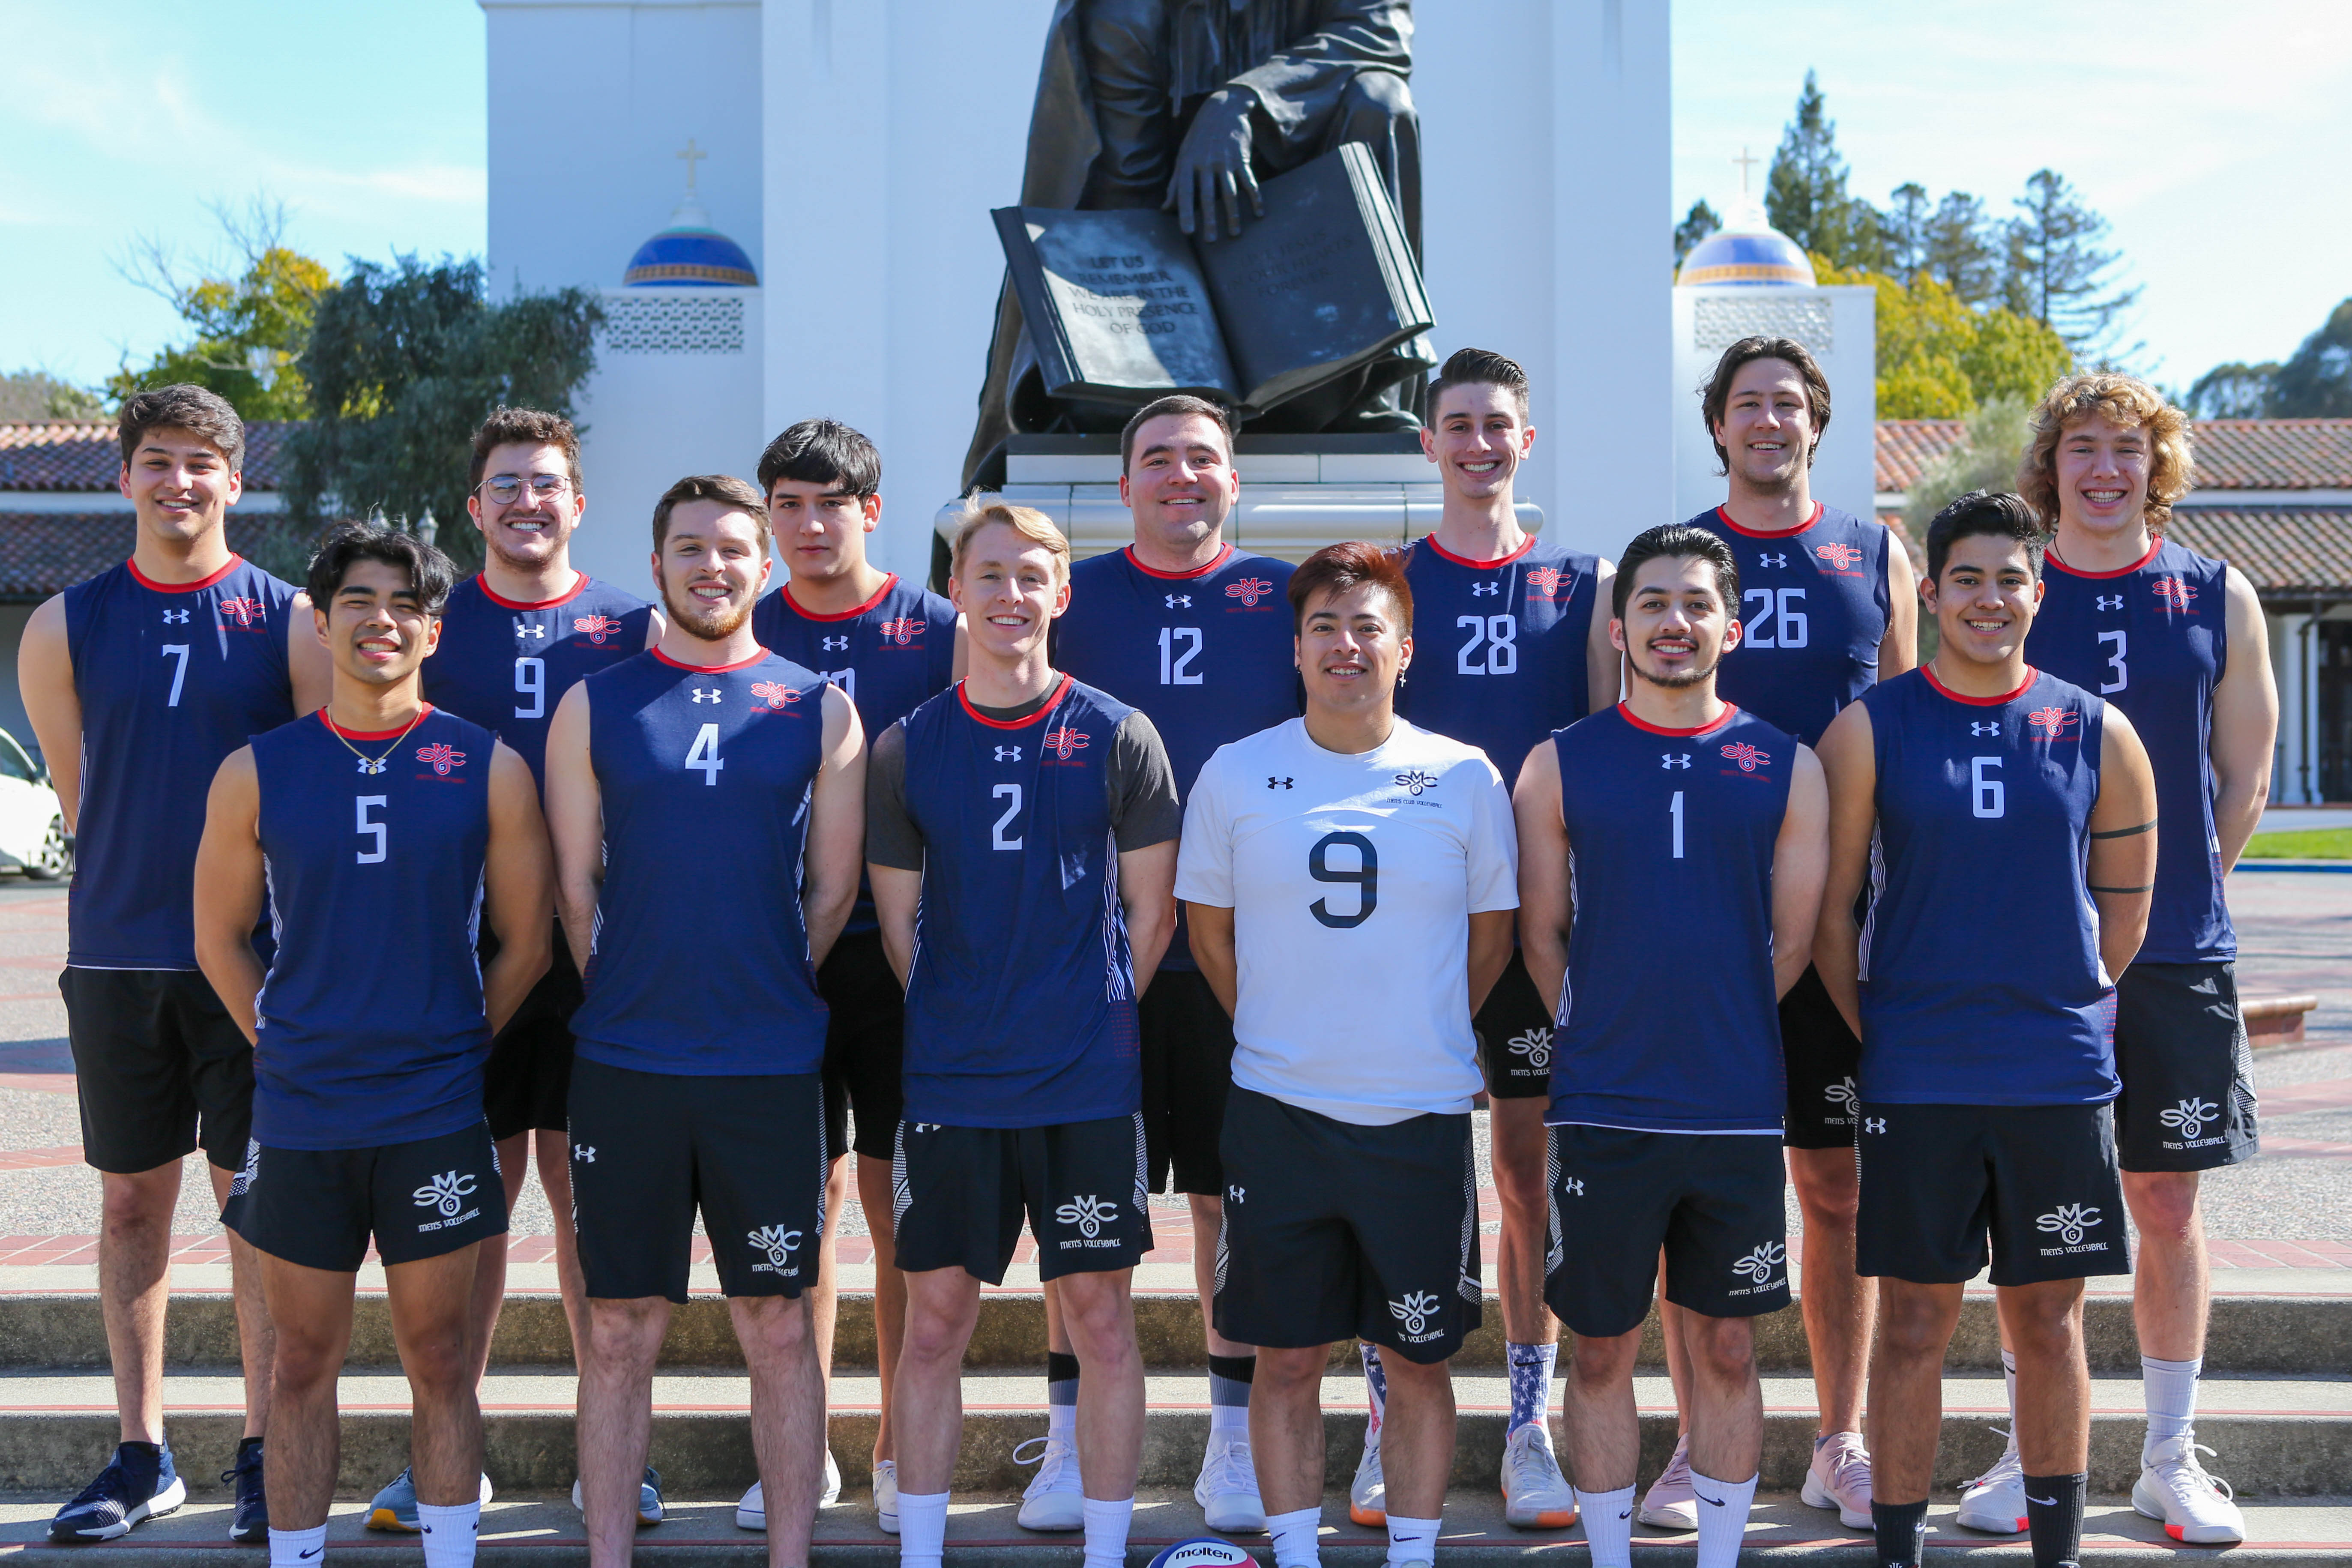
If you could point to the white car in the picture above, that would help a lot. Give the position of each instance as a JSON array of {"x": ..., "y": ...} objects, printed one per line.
[{"x": 32, "y": 826}]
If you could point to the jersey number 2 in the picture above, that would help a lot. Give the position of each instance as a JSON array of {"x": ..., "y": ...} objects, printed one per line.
[{"x": 1010, "y": 794}]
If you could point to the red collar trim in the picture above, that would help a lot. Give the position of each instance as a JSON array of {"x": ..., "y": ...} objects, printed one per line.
[
  {"x": 2051, "y": 555},
  {"x": 1626, "y": 713},
  {"x": 796, "y": 607},
  {"x": 144, "y": 581},
  {"x": 1929, "y": 671},
  {"x": 1446, "y": 554},
  {"x": 1723, "y": 514},
  {"x": 757, "y": 654},
  {"x": 424, "y": 712},
  {"x": 1223, "y": 556},
  {"x": 579, "y": 586},
  {"x": 1051, "y": 703}
]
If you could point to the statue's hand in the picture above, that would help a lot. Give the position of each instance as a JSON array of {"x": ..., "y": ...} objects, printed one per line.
[{"x": 1213, "y": 166}]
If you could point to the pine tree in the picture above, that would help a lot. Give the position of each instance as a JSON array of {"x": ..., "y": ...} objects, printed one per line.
[
  {"x": 2059, "y": 276},
  {"x": 1805, "y": 194},
  {"x": 1904, "y": 226},
  {"x": 2316, "y": 384},
  {"x": 1700, "y": 222},
  {"x": 1962, "y": 250}
]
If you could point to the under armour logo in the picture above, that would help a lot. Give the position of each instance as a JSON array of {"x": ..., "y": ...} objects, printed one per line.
[
  {"x": 1089, "y": 1213},
  {"x": 835, "y": 645},
  {"x": 927, "y": 1126},
  {"x": 1486, "y": 590},
  {"x": 705, "y": 693},
  {"x": 1765, "y": 558},
  {"x": 585, "y": 1152},
  {"x": 2111, "y": 601},
  {"x": 1873, "y": 1124},
  {"x": 1273, "y": 783},
  {"x": 528, "y": 628},
  {"x": 2189, "y": 1117},
  {"x": 175, "y": 617},
  {"x": 1572, "y": 1185},
  {"x": 2069, "y": 1222},
  {"x": 1993, "y": 728},
  {"x": 371, "y": 765},
  {"x": 1234, "y": 1194},
  {"x": 1008, "y": 754},
  {"x": 1179, "y": 601},
  {"x": 1673, "y": 759}
]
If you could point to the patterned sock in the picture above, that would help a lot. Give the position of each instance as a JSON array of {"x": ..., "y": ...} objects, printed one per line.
[
  {"x": 2054, "y": 1516},
  {"x": 1376, "y": 1392},
  {"x": 1902, "y": 1531},
  {"x": 922, "y": 1529},
  {"x": 1061, "y": 1396},
  {"x": 449, "y": 1533},
  {"x": 1411, "y": 1541},
  {"x": 2170, "y": 1389},
  {"x": 1294, "y": 1538},
  {"x": 1722, "y": 1518},
  {"x": 1532, "y": 1373},
  {"x": 297, "y": 1548},
  {"x": 1608, "y": 1526},
  {"x": 1106, "y": 1525},
  {"x": 1229, "y": 1392}
]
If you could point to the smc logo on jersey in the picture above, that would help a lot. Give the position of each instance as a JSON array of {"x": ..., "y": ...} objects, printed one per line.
[
  {"x": 776, "y": 696},
  {"x": 2175, "y": 593},
  {"x": 779, "y": 1245},
  {"x": 1548, "y": 581},
  {"x": 2069, "y": 1223},
  {"x": 1416, "y": 781},
  {"x": 1841, "y": 558},
  {"x": 1413, "y": 1313},
  {"x": 2049, "y": 723},
  {"x": 247, "y": 612},
  {"x": 903, "y": 631},
  {"x": 1249, "y": 591},
  {"x": 600, "y": 629},
  {"x": 441, "y": 756},
  {"x": 1063, "y": 742},
  {"x": 1748, "y": 757}
]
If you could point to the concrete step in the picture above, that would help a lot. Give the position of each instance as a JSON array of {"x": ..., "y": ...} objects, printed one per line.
[
  {"x": 2276, "y": 1437},
  {"x": 2249, "y": 1333},
  {"x": 700, "y": 1531}
]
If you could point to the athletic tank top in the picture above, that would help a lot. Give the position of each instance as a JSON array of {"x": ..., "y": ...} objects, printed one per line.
[
  {"x": 371, "y": 1026},
  {"x": 1813, "y": 607},
  {"x": 1670, "y": 835},
  {"x": 1021, "y": 1007},
  {"x": 2153, "y": 639},
  {"x": 173, "y": 678},
  {"x": 693, "y": 763},
  {"x": 505, "y": 664},
  {"x": 1981, "y": 982}
]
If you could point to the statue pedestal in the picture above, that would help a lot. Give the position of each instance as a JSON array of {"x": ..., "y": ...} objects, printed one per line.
[{"x": 1299, "y": 493}]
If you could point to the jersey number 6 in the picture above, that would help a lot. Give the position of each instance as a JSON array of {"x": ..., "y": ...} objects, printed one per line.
[{"x": 1367, "y": 877}]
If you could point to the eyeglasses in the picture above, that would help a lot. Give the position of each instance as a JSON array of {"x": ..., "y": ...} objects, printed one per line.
[{"x": 507, "y": 490}]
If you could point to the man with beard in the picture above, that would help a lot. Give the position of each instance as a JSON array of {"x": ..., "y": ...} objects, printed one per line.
[
  {"x": 1665, "y": 1123},
  {"x": 704, "y": 1094}
]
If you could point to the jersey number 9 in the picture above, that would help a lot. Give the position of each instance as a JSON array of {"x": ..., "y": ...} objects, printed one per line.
[{"x": 1366, "y": 876}]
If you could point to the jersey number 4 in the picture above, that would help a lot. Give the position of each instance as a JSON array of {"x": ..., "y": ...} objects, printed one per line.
[
  {"x": 1366, "y": 876},
  {"x": 704, "y": 754}
]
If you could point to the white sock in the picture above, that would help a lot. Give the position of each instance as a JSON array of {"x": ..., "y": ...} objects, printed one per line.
[
  {"x": 2009, "y": 1377},
  {"x": 1229, "y": 1418},
  {"x": 1106, "y": 1530},
  {"x": 1722, "y": 1518},
  {"x": 2170, "y": 1387},
  {"x": 1294, "y": 1538},
  {"x": 297, "y": 1548},
  {"x": 922, "y": 1529},
  {"x": 1608, "y": 1526},
  {"x": 449, "y": 1533},
  {"x": 1062, "y": 1421},
  {"x": 1411, "y": 1539}
]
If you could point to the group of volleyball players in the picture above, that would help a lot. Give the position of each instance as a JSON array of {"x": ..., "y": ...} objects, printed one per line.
[{"x": 1179, "y": 868}]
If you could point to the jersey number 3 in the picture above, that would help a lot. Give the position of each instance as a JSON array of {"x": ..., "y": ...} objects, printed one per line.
[{"x": 1366, "y": 876}]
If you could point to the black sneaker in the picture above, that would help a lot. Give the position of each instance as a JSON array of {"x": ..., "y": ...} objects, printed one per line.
[
  {"x": 250, "y": 1526},
  {"x": 138, "y": 1485}
]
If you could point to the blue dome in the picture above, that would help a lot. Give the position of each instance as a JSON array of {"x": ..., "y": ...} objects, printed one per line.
[
  {"x": 1748, "y": 251},
  {"x": 690, "y": 254}
]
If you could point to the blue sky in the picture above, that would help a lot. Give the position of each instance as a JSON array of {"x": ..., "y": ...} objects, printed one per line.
[{"x": 2214, "y": 137}]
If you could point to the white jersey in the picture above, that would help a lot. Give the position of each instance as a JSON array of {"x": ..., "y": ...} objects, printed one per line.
[{"x": 1353, "y": 878}]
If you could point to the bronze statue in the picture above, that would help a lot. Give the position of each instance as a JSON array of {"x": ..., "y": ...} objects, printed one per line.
[{"x": 1186, "y": 104}]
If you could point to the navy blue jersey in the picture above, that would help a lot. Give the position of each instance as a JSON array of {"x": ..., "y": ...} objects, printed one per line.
[
  {"x": 2153, "y": 639},
  {"x": 1206, "y": 654},
  {"x": 1499, "y": 647},
  {"x": 1021, "y": 1007},
  {"x": 370, "y": 1028},
  {"x": 1671, "y": 834},
  {"x": 689, "y": 760},
  {"x": 1815, "y": 606},
  {"x": 1981, "y": 982},
  {"x": 888, "y": 654},
  {"x": 173, "y": 678},
  {"x": 505, "y": 664}
]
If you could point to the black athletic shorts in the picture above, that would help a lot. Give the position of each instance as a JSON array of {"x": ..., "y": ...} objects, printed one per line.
[
  {"x": 865, "y": 1045},
  {"x": 318, "y": 1207},
  {"x": 650, "y": 1150},
  {"x": 959, "y": 1195},
  {"x": 528, "y": 1082},
  {"x": 1711, "y": 1199},
  {"x": 1188, "y": 1066},
  {"x": 1514, "y": 1030},
  {"x": 158, "y": 1067},
  {"x": 2040, "y": 1179},
  {"x": 2187, "y": 1102},
  {"x": 1820, "y": 1057},
  {"x": 1336, "y": 1231}
]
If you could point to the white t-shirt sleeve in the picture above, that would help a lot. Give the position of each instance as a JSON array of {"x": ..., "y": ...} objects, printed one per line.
[
  {"x": 1204, "y": 859},
  {"x": 1493, "y": 851}
]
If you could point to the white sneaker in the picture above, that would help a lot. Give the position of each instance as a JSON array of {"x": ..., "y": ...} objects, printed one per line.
[
  {"x": 751, "y": 1513},
  {"x": 1670, "y": 1504},
  {"x": 1227, "y": 1489},
  {"x": 1995, "y": 1501},
  {"x": 886, "y": 1494},
  {"x": 1368, "y": 1494},
  {"x": 830, "y": 1492},
  {"x": 1535, "y": 1496},
  {"x": 2196, "y": 1508},
  {"x": 1839, "y": 1479},
  {"x": 1052, "y": 1501}
]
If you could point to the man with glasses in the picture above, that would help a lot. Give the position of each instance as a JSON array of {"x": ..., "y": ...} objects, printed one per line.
[{"x": 514, "y": 639}]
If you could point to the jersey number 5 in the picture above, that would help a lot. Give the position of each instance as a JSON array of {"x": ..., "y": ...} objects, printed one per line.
[
  {"x": 376, "y": 830},
  {"x": 1366, "y": 876}
]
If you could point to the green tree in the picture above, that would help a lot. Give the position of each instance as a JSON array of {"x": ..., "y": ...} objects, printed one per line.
[
  {"x": 33, "y": 395},
  {"x": 251, "y": 317},
  {"x": 1700, "y": 222},
  {"x": 403, "y": 362},
  {"x": 1903, "y": 227},
  {"x": 2317, "y": 382},
  {"x": 2059, "y": 275},
  {"x": 1805, "y": 194},
  {"x": 1938, "y": 359},
  {"x": 2234, "y": 391},
  {"x": 1961, "y": 250}
]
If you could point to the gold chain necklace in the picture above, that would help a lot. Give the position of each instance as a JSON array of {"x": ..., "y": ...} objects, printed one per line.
[{"x": 374, "y": 764}]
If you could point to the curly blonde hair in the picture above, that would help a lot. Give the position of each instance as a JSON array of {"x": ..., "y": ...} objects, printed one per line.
[{"x": 2123, "y": 400}]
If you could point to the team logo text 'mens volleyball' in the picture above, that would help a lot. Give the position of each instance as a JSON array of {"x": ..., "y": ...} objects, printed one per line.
[
  {"x": 441, "y": 757},
  {"x": 1748, "y": 757},
  {"x": 775, "y": 695},
  {"x": 1063, "y": 742},
  {"x": 600, "y": 629},
  {"x": 1841, "y": 557},
  {"x": 1249, "y": 591},
  {"x": 2049, "y": 723},
  {"x": 245, "y": 612},
  {"x": 2175, "y": 593},
  {"x": 903, "y": 631},
  {"x": 1547, "y": 580}
]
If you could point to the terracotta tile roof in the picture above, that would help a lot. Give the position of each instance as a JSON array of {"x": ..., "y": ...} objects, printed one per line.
[
  {"x": 86, "y": 456},
  {"x": 2286, "y": 551},
  {"x": 44, "y": 552},
  {"x": 2232, "y": 454}
]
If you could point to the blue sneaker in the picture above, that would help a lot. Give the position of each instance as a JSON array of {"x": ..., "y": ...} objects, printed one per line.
[
  {"x": 138, "y": 1485},
  {"x": 250, "y": 1524},
  {"x": 649, "y": 1498},
  {"x": 396, "y": 1507}
]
